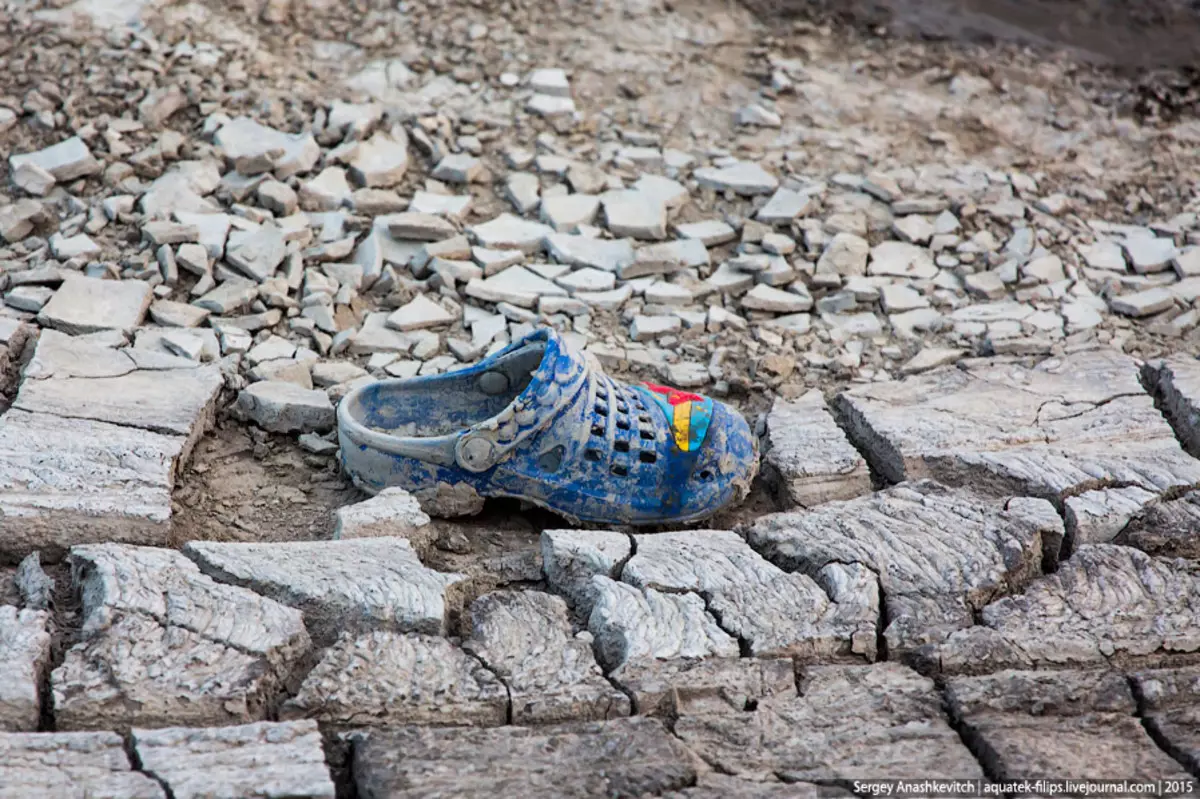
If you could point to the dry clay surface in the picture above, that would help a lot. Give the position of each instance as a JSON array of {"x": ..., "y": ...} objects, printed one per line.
[{"x": 957, "y": 304}]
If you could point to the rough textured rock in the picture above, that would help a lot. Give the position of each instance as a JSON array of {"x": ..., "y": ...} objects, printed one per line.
[
  {"x": 633, "y": 624},
  {"x": 624, "y": 757},
  {"x": 1027, "y": 725},
  {"x": 1067, "y": 424},
  {"x": 354, "y": 585},
  {"x": 1170, "y": 704},
  {"x": 771, "y": 611},
  {"x": 940, "y": 554},
  {"x": 84, "y": 764},
  {"x": 391, "y": 512},
  {"x": 1177, "y": 382},
  {"x": 163, "y": 643},
  {"x": 88, "y": 304},
  {"x": 265, "y": 759},
  {"x": 1097, "y": 517},
  {"x": 867, "y": 722},
  {"x": 673, "y": 687},
  {"x": 1107, "y": 604},
  {"x": 571, "y": 558},
  {"x": 1170, "y": 528},
  {"x": 386, "y": 678},
  {"x": 811, "y": 457},
  {"x": 717, "y": 786},
  {"x": 74, "y": 481},
  {"x": 552, "y": 676},
  {"x": 24, "y": 657}
]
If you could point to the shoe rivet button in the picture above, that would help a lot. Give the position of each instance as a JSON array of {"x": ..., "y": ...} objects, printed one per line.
[{"x": 476, "y": 453}]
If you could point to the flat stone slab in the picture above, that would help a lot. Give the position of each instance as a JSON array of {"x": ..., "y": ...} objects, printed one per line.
[
  {"x": 75, "y": 481},
  {"x": 624, "y": 757},
  {"x": 393, "y": 512},
  {"x": 88, "y": 304},
  {"x": 1170, "y": 700},
  {"x": 358, "y": 585},
  {"x": 552, "y": 676},
  {"x": 162, "y": 643},
  {"x": 91, "y": 764},
  {"x": 673, "y": 687},
  {"x": 1107, "y": 605},
  {"x": 771, "y": 611},
  {"x": 810, "y": 456},
  {"x": 265, "y": 759},
  {"x": 1071, "y": 724},
  {"x": 1066, "y": 425},
  {"x": 24, "y": 658},
  {"x": 882, "y": 721},
  {"x": 133, "y": 388},
  {"x": 940, "y": 554},
  {"x": 388, "y": 678}
]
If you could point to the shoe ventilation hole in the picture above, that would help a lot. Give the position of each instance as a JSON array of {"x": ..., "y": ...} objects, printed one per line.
[
  {"x": 705, "y": 474},
  {"x": 644, "y": 419},
  {"x": 621, "y": 446},
  {"x": 619, "y": 470},
  {"x": 646, "y": 434},
  {"x": 623, "y": 424},
  {"x": 622, "y": 408},
  {"x": 647, "y": 457},
  {"x": 551, "y": 459},
  {"x": 600, "y": 409},
  {"x": 598, "y": 430},
  {"x": 591, "y": 455}
]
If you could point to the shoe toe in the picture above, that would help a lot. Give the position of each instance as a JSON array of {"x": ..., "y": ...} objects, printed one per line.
[{"x": 726, "y": 466}]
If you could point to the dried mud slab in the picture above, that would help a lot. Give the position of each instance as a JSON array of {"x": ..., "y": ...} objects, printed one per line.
[
  {"x": 1107, "y": 605},
  {"x": 163, "y": 643},
  {"x": 674, "y": 687},
  {"x": 1027, "y": 725},
  {"x": 771, "y": 611},
  {"x": 1169, "y": 528},
  {"x": 940, "y": 554},
  {"x": 624, "y": 757},
  {"x": 393, "y": 512},
  {"x": 24, "y": 657},
  {"x": 718, "y": 786},
  {"x": 1064, "y": 426},
  {"x": 356, "y": 585},
  {"x": 1170, "y": 704},
  {"x": 91, "y": 764},
  {"x": 551, "y": 675},
  {"x": 265, "y": 759},
  {"x": 810, "y": 456},
  {"x": 849, "y": 722},
  {"x": 386, "y": 678},
  {"x": 571, "y": 558}
]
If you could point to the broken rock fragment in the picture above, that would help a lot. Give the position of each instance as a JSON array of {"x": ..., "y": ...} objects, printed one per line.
[
  {"x": 92, "y": 764},
  {"x": 163, "y": 644},
  {"x": 552, "y": 676},
  {"x": 810, "y": 455},
  {"x": 359, "y": 584},
  {"x": 88, "y": 305},
  {"x": 24, "y": 658},
  {"x": 283, "y": 407}
]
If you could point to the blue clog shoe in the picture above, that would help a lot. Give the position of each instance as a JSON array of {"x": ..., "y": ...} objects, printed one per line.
[{"x": 537, "y": 422}]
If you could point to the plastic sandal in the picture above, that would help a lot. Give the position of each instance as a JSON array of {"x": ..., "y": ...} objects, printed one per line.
[{"x": 536, "y": 421}]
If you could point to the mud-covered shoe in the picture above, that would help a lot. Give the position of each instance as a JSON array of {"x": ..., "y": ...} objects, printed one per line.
[{"x": 537, "y": 422}]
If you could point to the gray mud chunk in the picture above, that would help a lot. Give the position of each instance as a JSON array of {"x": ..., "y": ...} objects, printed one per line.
[
  {"x": 745, "y": 178},
  {"x": 24, "y": 657},
  {"x": 631, "y": 624},
  {"x": 1170, "y": 528},
  {"x": 258, "y": 254},
  {"x": 1171, "y": 708},
  {"x": 1097, "y": 517},
  {"x": 571, "y": 558},
  {"x": 387, "y": 678},
  {"x": 771, "y": 611},
  {"x": 508, "y": 232},
  {"x": 719, "y": 685},
  {"x": 1177, "y": 382},
  {"x": 1106, "y": 605},
  {"x": 283, "y": 407},
  {"x": 810, "y": 455},
  {"x": 162, "y": 644},
  {"x": 712, "y": 785},
  {"x": 1064, "y": 425},
  {"x": 266, "y": 760},
  {"x": 88, "y": 305},
  {"x": 1027, "y": 725},
  {"x": 356, "y": 585},
  {"x": 74, "y": 481},
  {"x": 134, "y": 388},
  {"x": 552, "y": 676},
  {"x": 882, "y": 721},
  {"x": 391, "y": 512},
  {"x": 624, "y": 757},
  {"x": 70, "y": 764},
  {"x": 940, "y": 554},
  {"x": 66, "y": 161}
]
